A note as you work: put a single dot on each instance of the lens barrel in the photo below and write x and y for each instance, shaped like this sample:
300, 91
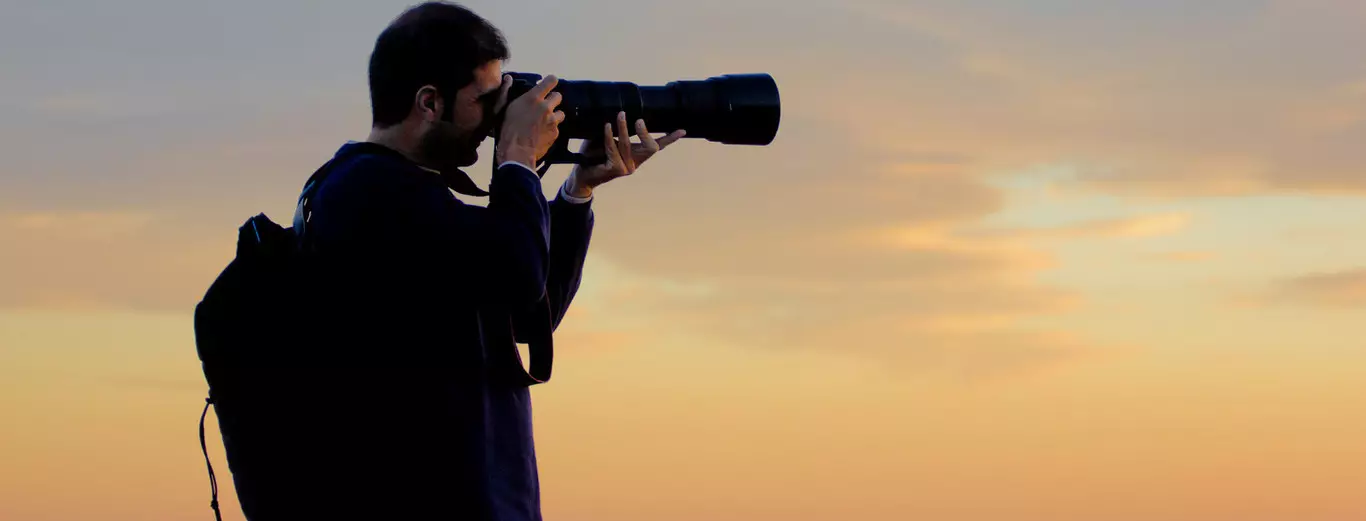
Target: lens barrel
733, 109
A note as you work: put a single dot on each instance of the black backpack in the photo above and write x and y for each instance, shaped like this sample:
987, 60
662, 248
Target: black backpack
251, 343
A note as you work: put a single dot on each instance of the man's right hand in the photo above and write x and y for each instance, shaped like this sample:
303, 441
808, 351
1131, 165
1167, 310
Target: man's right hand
531, 124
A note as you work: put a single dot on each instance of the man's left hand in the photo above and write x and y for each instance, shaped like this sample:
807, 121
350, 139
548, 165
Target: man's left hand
623, 156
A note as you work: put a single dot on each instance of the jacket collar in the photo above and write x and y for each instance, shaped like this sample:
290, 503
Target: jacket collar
455, 179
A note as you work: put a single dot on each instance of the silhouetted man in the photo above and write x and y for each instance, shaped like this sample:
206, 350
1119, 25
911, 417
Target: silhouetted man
418, 404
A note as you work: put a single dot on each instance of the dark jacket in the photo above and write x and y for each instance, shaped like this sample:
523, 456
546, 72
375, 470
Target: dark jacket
419, 302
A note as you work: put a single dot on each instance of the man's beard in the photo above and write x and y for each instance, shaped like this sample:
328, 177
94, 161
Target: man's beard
445, 148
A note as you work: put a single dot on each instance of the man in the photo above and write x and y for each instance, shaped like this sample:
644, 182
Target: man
420, 299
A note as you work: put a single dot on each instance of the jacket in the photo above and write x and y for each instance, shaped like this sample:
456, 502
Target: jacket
410, 407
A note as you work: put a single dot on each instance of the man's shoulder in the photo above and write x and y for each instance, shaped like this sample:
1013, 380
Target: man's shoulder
365, 197
375, 177
368, 168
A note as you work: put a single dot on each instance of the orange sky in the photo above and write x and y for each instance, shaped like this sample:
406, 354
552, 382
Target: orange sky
1006, 261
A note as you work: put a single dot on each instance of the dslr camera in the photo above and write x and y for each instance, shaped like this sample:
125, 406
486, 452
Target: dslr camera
732, 109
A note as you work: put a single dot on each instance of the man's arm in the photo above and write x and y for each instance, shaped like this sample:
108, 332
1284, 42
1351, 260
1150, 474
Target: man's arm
571, 223
406, 227
520, 249
498, 254
571, 226
514, 238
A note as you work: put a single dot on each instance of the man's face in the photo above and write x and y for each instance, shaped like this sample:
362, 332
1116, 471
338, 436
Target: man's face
455, 143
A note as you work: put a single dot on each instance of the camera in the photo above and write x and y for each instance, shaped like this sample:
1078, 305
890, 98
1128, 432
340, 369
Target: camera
733, 109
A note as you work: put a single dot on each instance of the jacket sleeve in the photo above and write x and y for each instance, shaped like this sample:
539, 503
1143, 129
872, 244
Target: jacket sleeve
526, 252
406, 228
513, 236
571, 226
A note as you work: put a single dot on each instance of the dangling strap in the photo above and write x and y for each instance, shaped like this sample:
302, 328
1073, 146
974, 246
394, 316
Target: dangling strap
532, 327
204, 446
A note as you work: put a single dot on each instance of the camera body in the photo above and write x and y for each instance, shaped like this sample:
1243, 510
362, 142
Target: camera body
733, 109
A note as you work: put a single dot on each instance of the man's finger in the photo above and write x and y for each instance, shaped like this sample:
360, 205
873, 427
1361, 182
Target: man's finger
609, 146
553, 100
673, 136
502, 102
541, 89
645, 137
624, 143
557, 117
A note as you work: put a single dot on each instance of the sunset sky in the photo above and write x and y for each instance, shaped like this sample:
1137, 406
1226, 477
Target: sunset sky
1007, 260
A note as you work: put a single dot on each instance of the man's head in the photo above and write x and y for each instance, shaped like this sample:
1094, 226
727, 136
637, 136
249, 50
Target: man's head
435, 74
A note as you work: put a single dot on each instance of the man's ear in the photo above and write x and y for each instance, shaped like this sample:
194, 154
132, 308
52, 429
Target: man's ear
429, 103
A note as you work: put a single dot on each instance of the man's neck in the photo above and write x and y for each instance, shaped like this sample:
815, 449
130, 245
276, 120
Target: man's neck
397, 138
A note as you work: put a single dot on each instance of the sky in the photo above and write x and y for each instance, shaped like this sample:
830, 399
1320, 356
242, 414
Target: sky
1056, 260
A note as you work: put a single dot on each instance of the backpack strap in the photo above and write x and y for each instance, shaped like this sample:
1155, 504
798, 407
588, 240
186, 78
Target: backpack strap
303, 212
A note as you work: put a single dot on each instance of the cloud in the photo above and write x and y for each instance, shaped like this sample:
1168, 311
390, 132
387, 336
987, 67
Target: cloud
868, 257
859, 229
71, 104
117, 260
1114, 228
1183, 256
1338, 289
932, 326
881, 269
1136, 94
1013, 248
1339, 108
1126, 227
94, 226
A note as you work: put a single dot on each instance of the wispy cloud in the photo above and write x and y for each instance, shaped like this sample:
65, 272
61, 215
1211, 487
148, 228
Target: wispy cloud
1114, 228
871, 206
1176, 116
1334, 289
114, 260
1184, 256
83, 225
919, 297
1013, 248
71, 104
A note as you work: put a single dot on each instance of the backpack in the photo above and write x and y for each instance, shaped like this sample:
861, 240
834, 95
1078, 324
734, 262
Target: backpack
251, 342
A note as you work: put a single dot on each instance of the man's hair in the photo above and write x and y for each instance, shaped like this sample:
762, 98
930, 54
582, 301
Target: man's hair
434, 43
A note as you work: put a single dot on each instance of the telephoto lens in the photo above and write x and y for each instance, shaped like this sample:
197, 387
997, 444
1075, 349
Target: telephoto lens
733, 109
